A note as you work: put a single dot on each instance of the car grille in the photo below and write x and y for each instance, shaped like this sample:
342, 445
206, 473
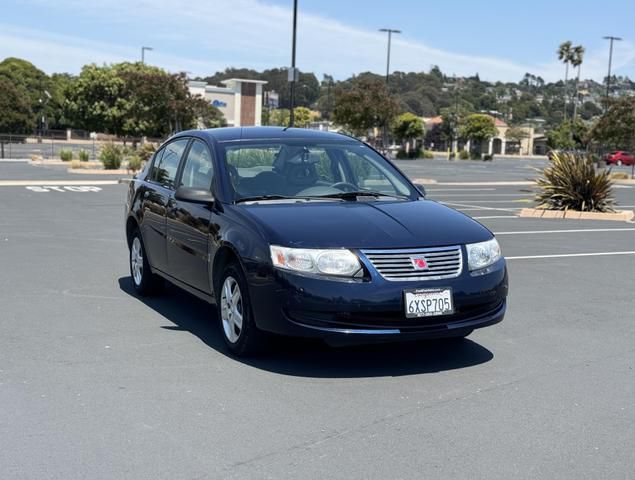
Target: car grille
398, 265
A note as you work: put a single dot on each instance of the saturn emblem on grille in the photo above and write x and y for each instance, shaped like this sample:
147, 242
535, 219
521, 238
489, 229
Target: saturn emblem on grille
419, 263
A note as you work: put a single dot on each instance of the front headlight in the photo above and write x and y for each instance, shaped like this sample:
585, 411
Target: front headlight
342, 263
483, 254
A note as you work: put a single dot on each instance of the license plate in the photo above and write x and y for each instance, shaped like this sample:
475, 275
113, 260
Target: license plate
428, 302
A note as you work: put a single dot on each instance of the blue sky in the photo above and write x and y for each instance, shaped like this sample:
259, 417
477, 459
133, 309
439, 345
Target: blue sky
500, 40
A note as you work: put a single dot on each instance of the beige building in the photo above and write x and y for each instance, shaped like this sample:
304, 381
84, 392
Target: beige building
239, 100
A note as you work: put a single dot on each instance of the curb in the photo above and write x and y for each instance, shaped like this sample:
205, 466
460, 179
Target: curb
619, 216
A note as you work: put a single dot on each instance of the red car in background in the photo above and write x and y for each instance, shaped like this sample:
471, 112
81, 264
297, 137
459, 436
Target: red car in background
618, 158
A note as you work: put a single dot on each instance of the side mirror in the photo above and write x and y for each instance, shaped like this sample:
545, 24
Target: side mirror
194, 195
421, 189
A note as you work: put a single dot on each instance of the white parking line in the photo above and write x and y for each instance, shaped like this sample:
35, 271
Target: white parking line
481, 194
564, 255
479, 207
580, 230
35, 183
460, 190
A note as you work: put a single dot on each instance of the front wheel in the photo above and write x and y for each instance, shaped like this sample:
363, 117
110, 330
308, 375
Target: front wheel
145, 282
239, 330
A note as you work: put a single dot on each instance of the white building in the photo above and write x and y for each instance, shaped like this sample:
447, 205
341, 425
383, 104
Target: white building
239, 99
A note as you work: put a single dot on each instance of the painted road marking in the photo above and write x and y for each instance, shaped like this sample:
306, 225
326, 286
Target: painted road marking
26, 183
479, 207
65, 188
565, 255
480, 194
580, 230
461, 190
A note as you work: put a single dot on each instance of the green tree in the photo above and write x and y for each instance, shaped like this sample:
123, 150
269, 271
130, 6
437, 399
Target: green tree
302, 117
477, 128
616, 128
408, 127
568, 135
16, 115
577, 57
365, 104
565, 55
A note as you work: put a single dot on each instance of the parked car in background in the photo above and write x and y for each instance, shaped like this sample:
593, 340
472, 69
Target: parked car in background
619, 157
306, 233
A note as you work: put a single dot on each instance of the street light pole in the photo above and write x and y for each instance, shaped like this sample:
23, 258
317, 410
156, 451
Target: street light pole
608, 78
143, 53
390, 31
292, 77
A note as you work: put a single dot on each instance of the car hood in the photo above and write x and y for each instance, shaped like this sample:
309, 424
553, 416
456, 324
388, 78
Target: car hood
376, 224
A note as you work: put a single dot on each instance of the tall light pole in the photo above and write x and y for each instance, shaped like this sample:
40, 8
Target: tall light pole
293, 74
390, 31
608, 78
143, 53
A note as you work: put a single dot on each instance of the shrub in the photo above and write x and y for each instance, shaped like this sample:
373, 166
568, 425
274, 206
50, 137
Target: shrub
111, 156
464, 155
135, 163
76, 164
146, 150
476, 156
571, 182
488, 158
66, 155
83, 155
402, 154
426, 154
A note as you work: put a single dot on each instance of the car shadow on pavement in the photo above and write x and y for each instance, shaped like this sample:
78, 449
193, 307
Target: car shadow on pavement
313, 358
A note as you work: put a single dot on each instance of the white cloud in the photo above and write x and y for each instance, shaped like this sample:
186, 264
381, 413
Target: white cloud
202, 37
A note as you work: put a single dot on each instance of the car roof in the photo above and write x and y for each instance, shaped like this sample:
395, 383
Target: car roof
231, 134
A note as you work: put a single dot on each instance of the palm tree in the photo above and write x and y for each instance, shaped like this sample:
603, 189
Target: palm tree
564, 55
576, 60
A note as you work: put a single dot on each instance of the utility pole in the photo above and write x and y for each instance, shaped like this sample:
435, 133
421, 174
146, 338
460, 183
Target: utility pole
390, 31
143, 53
293, 75
608, 78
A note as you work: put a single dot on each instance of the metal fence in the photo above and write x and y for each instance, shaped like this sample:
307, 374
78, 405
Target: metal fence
48, 147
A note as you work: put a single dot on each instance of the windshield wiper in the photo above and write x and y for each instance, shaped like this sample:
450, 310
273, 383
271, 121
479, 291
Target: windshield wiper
360, 193
263, 197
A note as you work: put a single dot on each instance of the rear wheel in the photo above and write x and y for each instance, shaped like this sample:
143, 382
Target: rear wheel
239, 330
145, 282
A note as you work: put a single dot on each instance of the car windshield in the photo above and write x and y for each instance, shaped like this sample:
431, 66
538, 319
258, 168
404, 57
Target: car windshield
302, 169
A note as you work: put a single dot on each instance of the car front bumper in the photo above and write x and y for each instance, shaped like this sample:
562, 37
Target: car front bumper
371, 310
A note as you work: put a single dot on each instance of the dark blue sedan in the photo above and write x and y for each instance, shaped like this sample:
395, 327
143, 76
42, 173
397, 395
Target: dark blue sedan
306, 233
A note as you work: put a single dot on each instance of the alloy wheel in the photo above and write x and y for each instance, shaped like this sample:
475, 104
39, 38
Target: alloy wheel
231, 309
136, 261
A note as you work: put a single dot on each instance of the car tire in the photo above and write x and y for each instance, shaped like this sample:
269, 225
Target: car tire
145, 282
235, 315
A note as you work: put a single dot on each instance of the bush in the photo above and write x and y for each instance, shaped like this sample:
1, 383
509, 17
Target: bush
76, 164
401, 154
83, 155
146, 151
571, 182
464, 155
488, 158
135, 163
111, 156
426, 154
66, 155
476, 156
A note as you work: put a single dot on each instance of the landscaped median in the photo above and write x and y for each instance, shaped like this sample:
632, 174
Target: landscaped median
618, 216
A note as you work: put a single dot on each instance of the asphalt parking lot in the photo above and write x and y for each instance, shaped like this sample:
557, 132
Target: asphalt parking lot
97, 383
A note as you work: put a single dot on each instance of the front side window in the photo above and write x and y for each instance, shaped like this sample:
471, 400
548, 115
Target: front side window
198, 169
166, 164
299, 169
